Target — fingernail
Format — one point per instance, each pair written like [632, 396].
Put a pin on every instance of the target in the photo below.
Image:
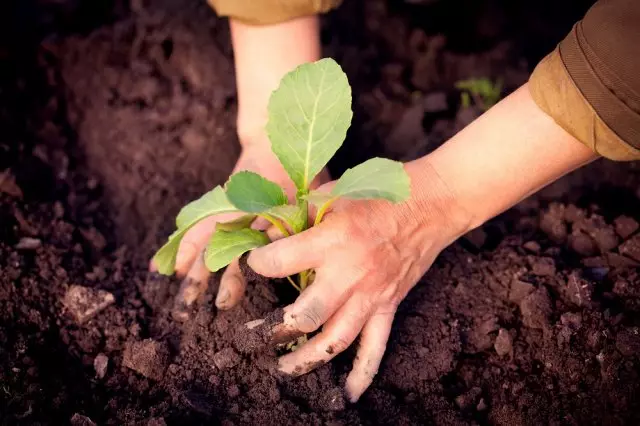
[222, 298]
[185, 254]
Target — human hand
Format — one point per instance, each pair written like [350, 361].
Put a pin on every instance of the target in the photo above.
[256, 157]
[367, 255]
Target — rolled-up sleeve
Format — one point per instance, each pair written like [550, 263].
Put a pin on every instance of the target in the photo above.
[590, 84]
[265, 12]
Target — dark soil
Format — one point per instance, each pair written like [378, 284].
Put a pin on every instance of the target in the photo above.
[109, 126]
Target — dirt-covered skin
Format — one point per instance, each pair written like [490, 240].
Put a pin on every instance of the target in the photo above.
[532, 319]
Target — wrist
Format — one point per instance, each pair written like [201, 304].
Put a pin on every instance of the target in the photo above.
[433, 205]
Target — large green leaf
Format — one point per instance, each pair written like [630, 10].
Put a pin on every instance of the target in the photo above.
[294, 216]
[212, 203]
[252, 193]
[309, 115]
[228, 245]
[374, 179]
[378, 178]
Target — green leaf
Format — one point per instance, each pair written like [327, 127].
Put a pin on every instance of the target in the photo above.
[239, 223]
[294, 216]
[378, 178]
[212, 203]
[228, 245]
[252, 193]
[309, 115]
[318, 198]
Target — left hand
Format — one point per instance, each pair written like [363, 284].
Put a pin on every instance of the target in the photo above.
[367, 256]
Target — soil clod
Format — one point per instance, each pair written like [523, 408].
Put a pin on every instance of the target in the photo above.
[536, 309]
[84, 303]
[226, 358]
[100, 364]
[148, 357]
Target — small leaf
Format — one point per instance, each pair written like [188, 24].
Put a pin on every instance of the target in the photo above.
[374, 179]
[212, 203]
[239, 223]
[294, 216]
[309, 115]
[252, 193]
[226, 246]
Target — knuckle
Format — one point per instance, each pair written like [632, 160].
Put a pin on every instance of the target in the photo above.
[308, 320]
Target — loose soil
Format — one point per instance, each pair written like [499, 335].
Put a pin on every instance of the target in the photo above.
[113, 118]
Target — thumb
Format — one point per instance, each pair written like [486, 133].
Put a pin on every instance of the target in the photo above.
[293, 254]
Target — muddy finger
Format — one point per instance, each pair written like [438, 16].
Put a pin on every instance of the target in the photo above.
[232, 287]
[373, 342]
[335, 337]
[191, 288]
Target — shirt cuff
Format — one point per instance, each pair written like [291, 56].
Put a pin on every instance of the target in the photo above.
[268, 12]
[557, 94]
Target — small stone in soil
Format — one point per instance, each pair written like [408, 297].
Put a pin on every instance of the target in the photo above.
[482, 405]
[625, 226]
[519, 290]
[543, 266]
[536, 309]
[552, 223]
[84, 303]
[628, 341]
[80, 420]
[582, 244]
[532, 246]
[148, 357]
[100, 364]
[504, 343]
[631, 248]
[606, 239]
[28, 243]
[579, 290]
[333, 400]
[226, 358]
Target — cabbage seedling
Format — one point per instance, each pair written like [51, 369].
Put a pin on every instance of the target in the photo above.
[309, 115]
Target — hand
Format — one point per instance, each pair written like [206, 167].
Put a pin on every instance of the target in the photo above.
[256, 157]
[367, 256]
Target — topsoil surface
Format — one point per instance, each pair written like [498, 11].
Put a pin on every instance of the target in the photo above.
[113, 115]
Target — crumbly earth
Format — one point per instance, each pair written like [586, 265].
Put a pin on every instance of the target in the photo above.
[109, 126]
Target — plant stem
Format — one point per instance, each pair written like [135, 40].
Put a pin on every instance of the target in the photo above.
[293, 283]
[304, 280]
[322, 211]
[275, 222]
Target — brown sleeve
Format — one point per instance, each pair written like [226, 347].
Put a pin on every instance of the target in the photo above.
[590, 84]
[265, 12]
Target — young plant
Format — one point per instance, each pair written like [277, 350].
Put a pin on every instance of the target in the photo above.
[483, 91]
[309, 115]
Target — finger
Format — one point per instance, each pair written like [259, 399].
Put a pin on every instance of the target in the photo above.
[294, 254]
[373, 342]
[191, 287]
[335, 337]
[232, 287]
[192, 244]
[321, 300]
